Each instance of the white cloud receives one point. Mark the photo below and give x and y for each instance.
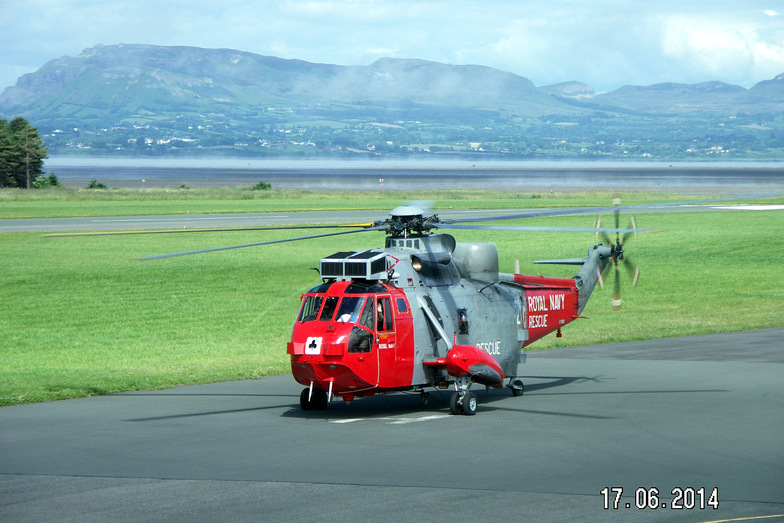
(606, 43)
(733, 50)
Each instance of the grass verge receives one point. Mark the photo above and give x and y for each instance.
(81, 317)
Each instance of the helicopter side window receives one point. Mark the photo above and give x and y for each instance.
(462, 321)
(402, 308)
(367, 315)
(310, 308)
(384, 316)
(360, 339)
(330, 304)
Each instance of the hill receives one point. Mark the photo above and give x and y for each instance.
(153, 100)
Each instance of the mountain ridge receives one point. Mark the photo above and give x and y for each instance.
(208, 93)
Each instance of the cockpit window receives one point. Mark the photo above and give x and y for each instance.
(350, 309)
(310, 308)
(356, 309)
(330, 304)
(367, 315)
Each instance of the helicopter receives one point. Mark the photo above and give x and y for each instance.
(427, 311)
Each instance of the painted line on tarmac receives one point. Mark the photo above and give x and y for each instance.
(749, 518)
(395, 420)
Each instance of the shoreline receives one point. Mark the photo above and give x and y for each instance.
(394, 164)
(408, 176)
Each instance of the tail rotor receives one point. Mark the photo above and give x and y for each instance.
(618, 256)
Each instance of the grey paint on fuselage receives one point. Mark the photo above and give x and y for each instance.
(494, 311)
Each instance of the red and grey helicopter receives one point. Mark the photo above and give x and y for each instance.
(428, 311)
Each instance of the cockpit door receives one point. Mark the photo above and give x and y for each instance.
(363, 340)
(386, 338)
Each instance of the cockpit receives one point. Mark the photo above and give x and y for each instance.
(358, 308)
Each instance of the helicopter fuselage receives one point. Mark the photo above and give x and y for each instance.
(425, 311)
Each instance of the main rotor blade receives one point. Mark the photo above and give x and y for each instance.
(377, 228)
(600, 210)
(456, 226)
(220, 229)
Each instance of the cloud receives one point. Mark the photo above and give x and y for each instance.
(735, 50)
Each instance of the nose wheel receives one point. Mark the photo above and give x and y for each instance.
(317, 400)
(463, 401)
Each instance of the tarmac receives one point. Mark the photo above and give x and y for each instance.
(693, 422)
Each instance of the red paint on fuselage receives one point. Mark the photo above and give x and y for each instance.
(551, 303)
(360, 355)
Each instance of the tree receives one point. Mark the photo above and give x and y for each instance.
(22, 153)
(8, 158)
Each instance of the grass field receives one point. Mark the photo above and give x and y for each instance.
(80, 316)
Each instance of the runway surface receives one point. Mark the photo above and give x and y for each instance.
(688, 413)
(197, 221)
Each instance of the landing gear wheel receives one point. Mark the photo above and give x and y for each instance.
(517, 387)
(455, 406)
(319, 399)
(469, 404)
(304, 401)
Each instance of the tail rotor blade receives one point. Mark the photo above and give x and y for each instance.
(616, 299)
(633, 271)
(600, 278)
(617, 212)
(633, 227)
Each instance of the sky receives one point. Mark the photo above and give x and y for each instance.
(603, 43)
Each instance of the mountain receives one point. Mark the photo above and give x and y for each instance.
(672, 97)
(145, 99)
(768, 93)
(125, 79)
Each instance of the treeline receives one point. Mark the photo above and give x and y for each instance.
(22, 155)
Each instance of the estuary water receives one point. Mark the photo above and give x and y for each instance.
(703, 178)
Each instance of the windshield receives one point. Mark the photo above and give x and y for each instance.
(310, 308)
(352, 309)
(356, 309)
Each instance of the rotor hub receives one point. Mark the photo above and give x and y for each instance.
(408, 220)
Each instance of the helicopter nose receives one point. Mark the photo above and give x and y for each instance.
(340, 378)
